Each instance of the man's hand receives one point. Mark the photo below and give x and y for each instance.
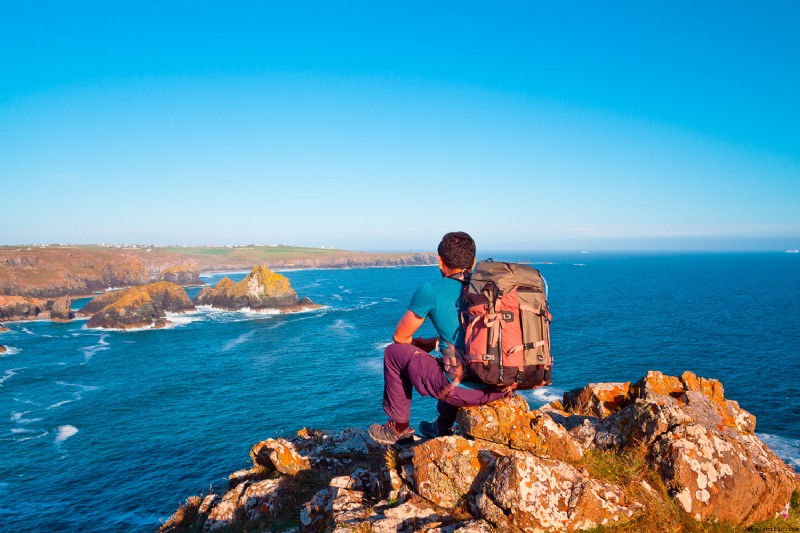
(427, 345)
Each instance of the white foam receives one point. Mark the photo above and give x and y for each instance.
(17, 431)
(11, 372)
(546, 394)
(785, 448)
(26, 330)
(373, 366)
(183, 319)
(17, 417)
(381, 346)
(233, 343)
(10, 350)
(76, 396)
(388, 300)
(65, 432)
(39, 436)
(341, 327)
(89, 351)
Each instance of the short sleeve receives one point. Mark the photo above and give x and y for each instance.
(423, 301)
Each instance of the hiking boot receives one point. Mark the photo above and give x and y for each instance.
(432, 430)
(388, 435)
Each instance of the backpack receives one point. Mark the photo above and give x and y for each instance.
(507, 325)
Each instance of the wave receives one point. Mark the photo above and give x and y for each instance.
(545, 395)
(381, 346)
(89, 351)
(373, 365)
(76, 396)
(342, 328)
(10, 373)
(26, 330)
(39, 436)
(17, 417)
(785, 448)
(65, 432)
(231, 344)
(10, 350)
(184, 319)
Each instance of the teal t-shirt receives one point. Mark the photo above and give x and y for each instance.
(439, 300)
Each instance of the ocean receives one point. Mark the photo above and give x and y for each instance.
(112, 431)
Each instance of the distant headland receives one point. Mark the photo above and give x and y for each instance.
(50, 271)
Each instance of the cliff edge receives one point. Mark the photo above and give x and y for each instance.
(662, 454)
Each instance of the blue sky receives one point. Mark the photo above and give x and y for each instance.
(364, 125)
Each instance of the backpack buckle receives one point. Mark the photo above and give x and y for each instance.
(487, 357)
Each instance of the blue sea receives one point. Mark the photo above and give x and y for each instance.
(112, 431)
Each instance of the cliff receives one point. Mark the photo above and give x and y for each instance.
(260, 289)
(663, 454)
(14, 308)
(48, 272)
(137, 307)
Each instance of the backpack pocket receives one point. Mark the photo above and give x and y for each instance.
(535, 320)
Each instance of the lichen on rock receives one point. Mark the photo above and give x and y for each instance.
(677, 441)
(137, 307)
(260, 289)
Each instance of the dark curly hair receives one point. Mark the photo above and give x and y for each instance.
(457, 250)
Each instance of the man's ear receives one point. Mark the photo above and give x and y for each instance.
(474, 262)
(441, 263)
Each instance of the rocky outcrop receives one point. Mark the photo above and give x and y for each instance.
(22, 308)
(261, 289)
(182, 275)
(608, 455)
(3, 329)
(3, 349)
(61, 309)
(137, 307)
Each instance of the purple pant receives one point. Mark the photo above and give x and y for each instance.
(405, 366)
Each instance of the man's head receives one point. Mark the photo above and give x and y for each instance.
(457, 250)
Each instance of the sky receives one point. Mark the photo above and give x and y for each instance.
(381, 126)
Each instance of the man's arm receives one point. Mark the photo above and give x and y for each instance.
(406, 328)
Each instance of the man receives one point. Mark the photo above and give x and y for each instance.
(407, 362)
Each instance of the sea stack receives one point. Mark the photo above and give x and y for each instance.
(261, 289)
(60, 311)
(137, 307)
(182, 275)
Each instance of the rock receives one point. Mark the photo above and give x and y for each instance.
(226, 511)
(536, 493)
(21, 308)
(3, 329)
(184, 517)
(182, 275)
(3, 349)
(280, 455)
(523, 470)
(331, 507)
(61, 311)
(513, 424)
(445, 469)
(261, 500)
(137, 307)
(733, 478)
(261, 289)
(597, 399)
